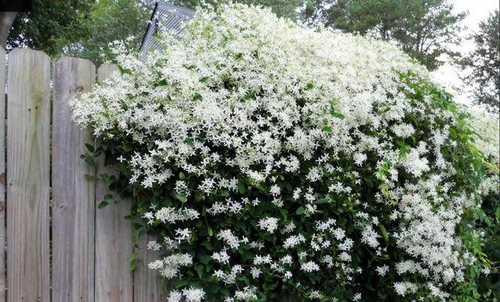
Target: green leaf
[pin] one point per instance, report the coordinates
(133, 262)
(198, 196)
(102, 204)
(199, 270)
(90, 147)
(181, 197)
(89, 159)
(337, 114)
(108, 199)
(197, 96)
(242, 188)
(205, 259)
(300, 211)
(328, 129)
(384, 232)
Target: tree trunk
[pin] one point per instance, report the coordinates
(6, 20)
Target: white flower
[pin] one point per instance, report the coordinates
(275, 190)
(309, 267)
(193, 294)
(403, 130)
(153, 245)
(359, 158)
(369, 236)
(221, 257)
(416, 165)
(172, 215)
(268, 224)
(296, 193)
(382, 270)
(174, 296)
(339, 233)
(403, 288)
(155, 265)
(247, 294)
(255, 272)
(293, 241)
(182, 234)
(230, 239)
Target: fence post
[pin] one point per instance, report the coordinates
(73, 187)
(113, 237)
(28, 158)
(147, 283)
(3, 234)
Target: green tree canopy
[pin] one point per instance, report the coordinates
(110, 20)
(423, 28)
(484, 62)
(85, 28)
(50, 25)
(282, 8)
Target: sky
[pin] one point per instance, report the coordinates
(449, 75)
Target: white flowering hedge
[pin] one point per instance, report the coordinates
(268, 158)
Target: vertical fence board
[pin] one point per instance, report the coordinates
(147, 283)
(73, 187)
(3, 239)
(113, 238)
(28, 148)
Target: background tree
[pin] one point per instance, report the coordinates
(50, 25)
(6, 20)
(282, 8)
(84, 28)
(424, 29)
(111, 20)
(484, 63)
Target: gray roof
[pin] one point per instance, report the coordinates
(165, 17)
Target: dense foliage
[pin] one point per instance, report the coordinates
(268, 158)
(484, 63)
(282, 8)
(50, 25)
(110, 20)
(424, 29)
(80, 28)
(487, 125)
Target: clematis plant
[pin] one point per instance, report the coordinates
(270, 158)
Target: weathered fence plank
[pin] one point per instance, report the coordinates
(28, 178)
(73, 187)
(113, 238)
(147, 283)
(3, 238)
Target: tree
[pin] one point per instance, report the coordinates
(111, 20)
(282, 8)
(50, 25)
(84, 28)
(423, 28)
(484, 63)
(6, 20)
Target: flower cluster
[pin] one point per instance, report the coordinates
(269, 158)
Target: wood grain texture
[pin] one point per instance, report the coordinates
(73, 187)
(147, 283)
(3, 238)
(28, 160)
(114, 282)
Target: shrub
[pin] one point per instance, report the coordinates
(488, 141)
(270, 158)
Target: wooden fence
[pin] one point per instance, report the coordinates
(58, 246)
